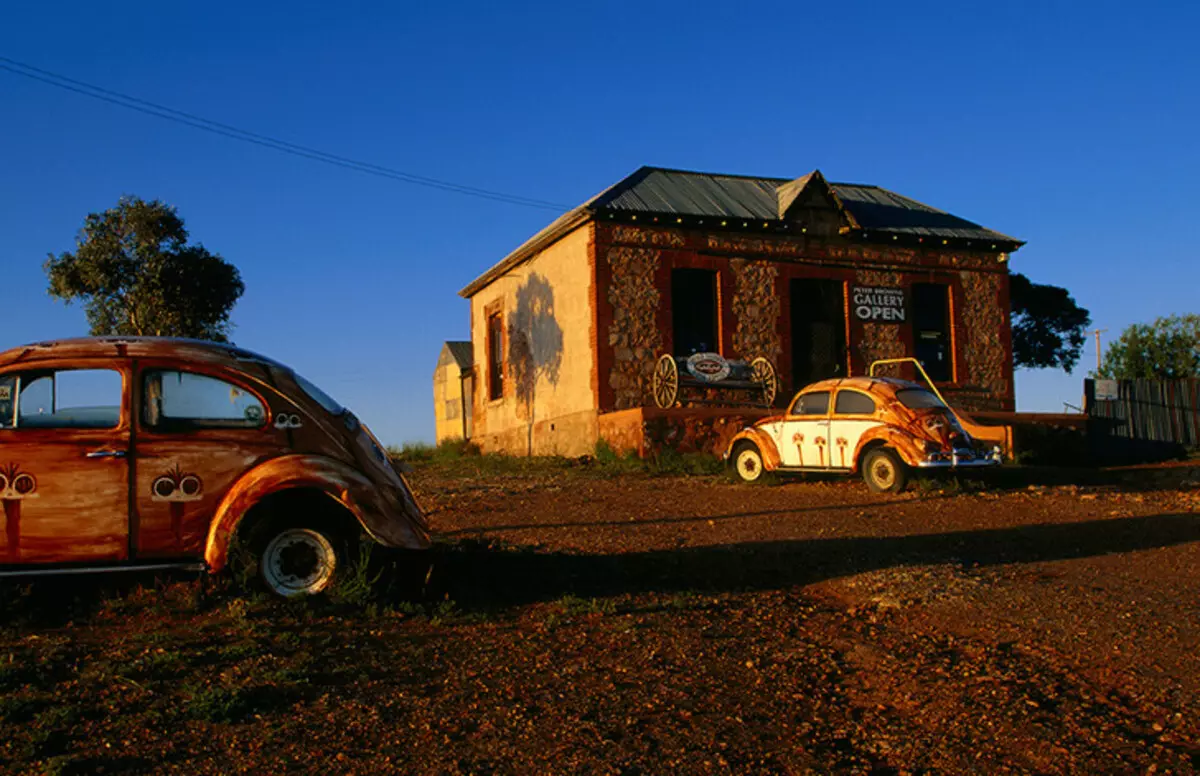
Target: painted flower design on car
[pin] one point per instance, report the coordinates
(15, 486)
(177, 488)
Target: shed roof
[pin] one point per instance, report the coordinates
(662, 191)
(462, 353)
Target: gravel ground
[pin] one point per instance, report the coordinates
(574, 622)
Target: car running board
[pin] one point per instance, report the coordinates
(45, 572)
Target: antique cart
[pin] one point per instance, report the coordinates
(707, 375)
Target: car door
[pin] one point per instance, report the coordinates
(64, 466)
(804, 434)
(197, 432)
(854, 414)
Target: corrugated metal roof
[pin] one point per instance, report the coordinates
(680, 192)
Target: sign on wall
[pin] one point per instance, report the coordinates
(878, 304)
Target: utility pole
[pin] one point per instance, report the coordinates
(1098, 332)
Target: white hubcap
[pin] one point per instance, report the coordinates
(298, 561)
(749, 465)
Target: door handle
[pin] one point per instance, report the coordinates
(106, 454)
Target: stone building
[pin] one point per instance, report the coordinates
(452, 392)
(820, 278)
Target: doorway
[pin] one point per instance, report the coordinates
(818, 330)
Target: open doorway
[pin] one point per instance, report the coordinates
(694, 311)
(818, 330)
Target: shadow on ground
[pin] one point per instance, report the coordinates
(478, 573)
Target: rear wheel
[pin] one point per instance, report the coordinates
(299, 562)
(747, 462)
(298, 543)
(883, 471)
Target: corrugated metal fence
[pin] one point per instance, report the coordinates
(1143, 419)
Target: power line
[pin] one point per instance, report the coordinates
(227, 130)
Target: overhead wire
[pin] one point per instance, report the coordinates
(208, 125)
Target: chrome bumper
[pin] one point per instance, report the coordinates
(942, 461)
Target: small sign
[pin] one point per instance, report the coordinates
(878, 304)
(5, 392)
(1108, 390)
(709, 367)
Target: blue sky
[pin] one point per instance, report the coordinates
(1074, 126)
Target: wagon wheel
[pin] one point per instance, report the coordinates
(762, 372)
(666, 381)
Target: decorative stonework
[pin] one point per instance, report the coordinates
(880, 340)
(756, 309)
(983, 320)
(660, 238)
(633, 333)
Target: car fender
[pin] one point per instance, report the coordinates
(764, 442)
(341, 482)
(892, 437)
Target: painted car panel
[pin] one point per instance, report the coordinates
(150, 491)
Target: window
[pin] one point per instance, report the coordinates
(854, 403)
(694, 311)
(931, 330)
(495, 348)
(812, 404)
(918, 399)
(319, 396)
(818, 330)
(75, 398)
(181, 401)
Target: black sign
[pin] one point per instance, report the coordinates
(877, 304)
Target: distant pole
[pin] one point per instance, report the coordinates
(1098, 332)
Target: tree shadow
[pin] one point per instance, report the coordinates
(490, 575)
(535, 344)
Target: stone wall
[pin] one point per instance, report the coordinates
(987, 369)
(756, 309)
(880, 340)
(633, 333)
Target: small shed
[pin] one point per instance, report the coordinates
(452, 391)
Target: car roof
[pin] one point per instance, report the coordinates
(216, 353)
(887, 385)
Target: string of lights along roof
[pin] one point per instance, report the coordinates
(218, 128)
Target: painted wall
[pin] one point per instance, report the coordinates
(449, 408)
(548, 401)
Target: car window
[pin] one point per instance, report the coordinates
(319, 396)
(70, 398)
(812, 404)
(918, 399)
(180, 401)
(854, 403)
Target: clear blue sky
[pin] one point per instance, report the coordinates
(1074, 126)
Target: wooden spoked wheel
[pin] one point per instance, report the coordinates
(763, 373)
(666, 381)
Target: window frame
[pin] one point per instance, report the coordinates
(864, 394)
(193, 425)
(495, 351)
(947, 334)
(677, 280)
(19, 377)
(799, 398)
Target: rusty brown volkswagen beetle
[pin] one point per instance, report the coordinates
(151, 453)
(879, 426)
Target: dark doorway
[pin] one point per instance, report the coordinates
(818, 330)
(694, 311)
(931, 330)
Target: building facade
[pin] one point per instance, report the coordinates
(820, 278)
(453, 394)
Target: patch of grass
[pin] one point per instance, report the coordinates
(572, 605)
(357, 586)
(18, 708)
(218, 703)
(423, 452)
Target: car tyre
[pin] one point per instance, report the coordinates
(883, 471)
(748, 462)
(298, 560)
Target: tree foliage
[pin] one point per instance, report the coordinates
(136, 275)
(1048, 327)
(1168, 349)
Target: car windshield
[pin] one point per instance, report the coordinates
(918, 399)
(319, 396)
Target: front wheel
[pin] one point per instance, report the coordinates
(884, 472)
(747, 462)
(299, 561)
